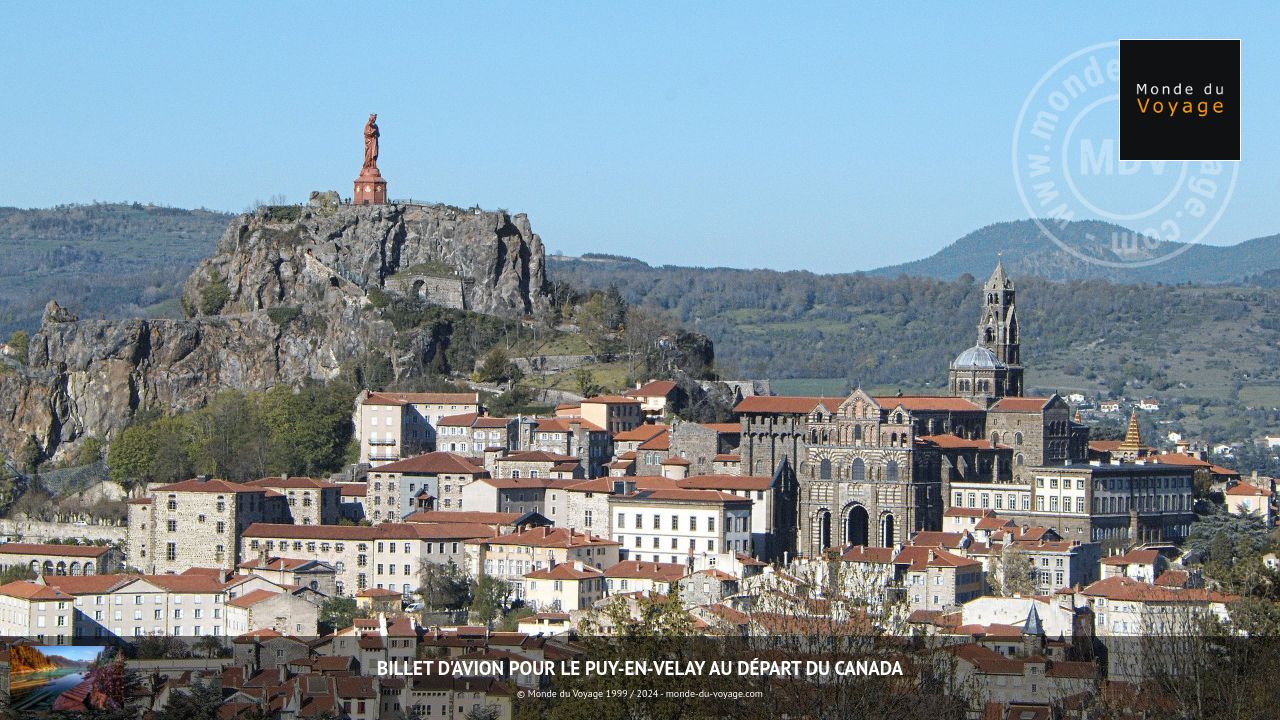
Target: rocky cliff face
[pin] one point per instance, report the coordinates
(295, 305)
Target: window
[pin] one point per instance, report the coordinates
(172, 525)
(171, 551)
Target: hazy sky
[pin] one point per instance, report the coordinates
(825, 137)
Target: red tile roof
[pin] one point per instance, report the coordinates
(635, 569)
(89, 551)
(251, 598)
(605, 484)
(547, 537)
(640, 433)
(676, 460)
(88, 584)
(1119, 587)
(926, 402)
(432, 463)
(1020, 404)
(354, 489)
(727, 482)
(611, 400)
(32, 591)
(948, 441)
(377, 593)
(653, 388)
(566, 571)
(209, 486)
(1241, 489)
(1138, 557)
(684, 495)
(564, 425)
(661, 441)
(784, 404)
(401, 398)
(724, 428)
(292, 482)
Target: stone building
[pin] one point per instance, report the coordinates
(309, 501)
(395, 490)
(871, 470)
(196, 523)
(702, 443)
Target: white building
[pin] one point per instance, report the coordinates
(678, 525)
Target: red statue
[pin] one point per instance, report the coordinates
(371, 143)
(370, 188)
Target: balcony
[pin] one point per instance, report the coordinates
(383, 441)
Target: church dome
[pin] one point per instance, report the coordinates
(977, 357)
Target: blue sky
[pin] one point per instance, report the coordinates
(85, 653)
(830, 137)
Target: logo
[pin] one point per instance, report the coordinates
(1067, 167)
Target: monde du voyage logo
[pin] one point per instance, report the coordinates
(1142, 134)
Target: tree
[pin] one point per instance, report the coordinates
(90, 451)
(214, 296)
(483, 712)
(338, 612)
(20, 344)
(444, 587)
(489, 597)
(209, 645)
(496, 366)
(585, 382)
(200, 702)
(30, 455)
(1019, 572)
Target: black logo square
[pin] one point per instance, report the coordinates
(1179, 99)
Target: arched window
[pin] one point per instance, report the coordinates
(48, 567)
(75, 568)
(1017, 459)
(897, 418)
(1017, 438)
(824, 469)
(891, 471)
(858, 470)
(857, 432)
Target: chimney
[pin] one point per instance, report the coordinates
(284, 476)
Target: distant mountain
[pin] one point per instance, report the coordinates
(1025, 250)
(109, 260)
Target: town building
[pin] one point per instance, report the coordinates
(676, 525)
(575, 437)
(196, 523)
(389, 555)
(510, 557)
(564, 587)
(394, 425)
(429, 481)
(472, 433)
(1241, 499)
(310, 501)
(614, 413)
(656, 398)
(37, 611)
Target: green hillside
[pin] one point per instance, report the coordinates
(1212, 353)
(113, 260)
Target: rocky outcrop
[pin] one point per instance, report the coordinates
(295, 305)
(280, 256)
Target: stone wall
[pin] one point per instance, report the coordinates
(36, 531)
(447, 291)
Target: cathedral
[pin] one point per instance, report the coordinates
(872, 470)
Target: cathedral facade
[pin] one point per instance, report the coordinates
(872, 470)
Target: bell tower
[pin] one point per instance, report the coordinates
(998, 326)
